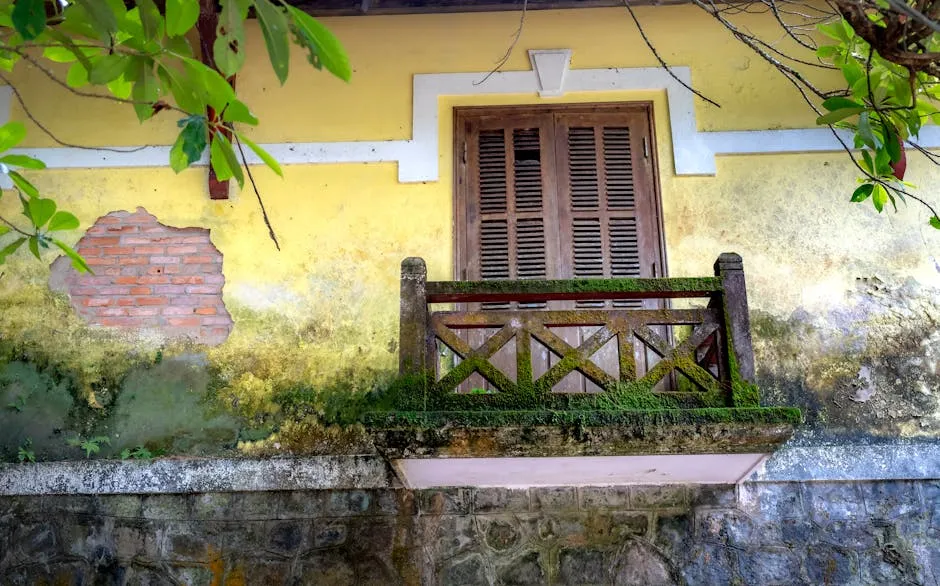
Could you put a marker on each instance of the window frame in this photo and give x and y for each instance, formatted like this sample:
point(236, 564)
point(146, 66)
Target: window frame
point(464, 116)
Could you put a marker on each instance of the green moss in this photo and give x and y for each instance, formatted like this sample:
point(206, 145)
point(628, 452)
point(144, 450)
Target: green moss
point(309, 437)
point(702, 285)
point(33, 407)
point(167, 409)
point(584, 418)
point(39, 327)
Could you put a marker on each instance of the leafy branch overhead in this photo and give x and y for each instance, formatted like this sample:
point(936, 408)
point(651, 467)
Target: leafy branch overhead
point(144, 57)
point(886, 54)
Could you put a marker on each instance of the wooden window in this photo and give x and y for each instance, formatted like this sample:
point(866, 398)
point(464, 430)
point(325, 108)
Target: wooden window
point(556, 193)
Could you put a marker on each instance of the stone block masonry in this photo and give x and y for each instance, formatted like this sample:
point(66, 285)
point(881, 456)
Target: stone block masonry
point(148, 277)
point(817, 533)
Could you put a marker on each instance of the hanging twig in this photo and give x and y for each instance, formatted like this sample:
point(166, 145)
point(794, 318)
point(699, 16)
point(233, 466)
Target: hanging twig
point(264, 213)
point(515, 39)
point(44, 129)
point(792, 74)
point(660, 59)
point(52, 76)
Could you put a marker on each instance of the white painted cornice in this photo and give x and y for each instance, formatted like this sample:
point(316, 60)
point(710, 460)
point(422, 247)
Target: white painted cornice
point(418, 158)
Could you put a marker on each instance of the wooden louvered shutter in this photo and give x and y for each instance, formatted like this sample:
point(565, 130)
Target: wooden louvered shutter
point(510, 213)
point(609, 226)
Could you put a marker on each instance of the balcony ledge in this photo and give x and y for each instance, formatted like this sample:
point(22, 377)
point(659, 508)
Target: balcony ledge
point(552, 448)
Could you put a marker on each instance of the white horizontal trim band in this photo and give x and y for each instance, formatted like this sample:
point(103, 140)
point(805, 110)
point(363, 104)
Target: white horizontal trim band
point(419, 158)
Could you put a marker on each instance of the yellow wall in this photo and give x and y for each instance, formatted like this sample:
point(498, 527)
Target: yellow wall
point(345, 228)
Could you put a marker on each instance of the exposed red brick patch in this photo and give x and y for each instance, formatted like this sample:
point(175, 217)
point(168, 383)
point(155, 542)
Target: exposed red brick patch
point(133, 255)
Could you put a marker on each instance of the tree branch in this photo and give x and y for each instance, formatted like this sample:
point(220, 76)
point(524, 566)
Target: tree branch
point(655, 53)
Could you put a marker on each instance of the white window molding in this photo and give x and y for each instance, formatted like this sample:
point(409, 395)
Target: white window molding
point(418, 158)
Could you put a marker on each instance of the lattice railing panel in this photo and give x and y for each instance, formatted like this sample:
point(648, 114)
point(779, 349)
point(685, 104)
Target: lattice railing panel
point(694, 356)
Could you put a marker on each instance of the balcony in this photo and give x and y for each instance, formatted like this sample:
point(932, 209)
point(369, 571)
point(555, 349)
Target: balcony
point(584, 381)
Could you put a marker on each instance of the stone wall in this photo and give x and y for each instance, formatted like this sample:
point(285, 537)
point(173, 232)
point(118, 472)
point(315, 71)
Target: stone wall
point(760, 533)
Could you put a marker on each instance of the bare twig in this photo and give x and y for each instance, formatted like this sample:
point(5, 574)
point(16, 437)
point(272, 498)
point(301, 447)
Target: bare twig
point(932, 157)
point(655, 53)
point(13, 226)
point(512, 45)
point(48, 73)
point(792, 74)
point(44, 129)
point(264, 213)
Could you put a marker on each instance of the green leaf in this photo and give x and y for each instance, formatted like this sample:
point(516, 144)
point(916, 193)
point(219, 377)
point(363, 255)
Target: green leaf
point(833, 30)
point(77, 261)
point(865, 131)
point(82, 54)
point(827, 51)
point(63, 221)
point(883, 163)
point(229, 47)
point(108, 68)
point(59, 54)
point(862, 193)
point(150, 19)
point(838, 103)
point(190, 143)
point(879, 197)
point(34, 246)
point(120, 88)
point(853, 73)
point(262, 154)
point(77, 76)
point(23, 185)
point(214, 89)
point(100, 16)
point(837, 115)
point(935, 222)
point(8, 60)
point(902, 91)
point(224, 161)
point(184, 89)
point(181, 15)
point(237, 111)
point(29, 18)
point(4, 230)
point(274, 29)
point(147, 88)
point(10, 249)
point(11, 134)
point(22, 161)
point(867, 163)
point(325, 49)
point(892, 144)
point(40, 210)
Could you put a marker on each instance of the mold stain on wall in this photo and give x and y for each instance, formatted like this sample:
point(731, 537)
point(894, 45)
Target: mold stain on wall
point(868, 366)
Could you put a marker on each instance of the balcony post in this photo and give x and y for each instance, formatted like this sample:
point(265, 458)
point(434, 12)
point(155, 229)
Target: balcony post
point(730, 268)
point(413, 325)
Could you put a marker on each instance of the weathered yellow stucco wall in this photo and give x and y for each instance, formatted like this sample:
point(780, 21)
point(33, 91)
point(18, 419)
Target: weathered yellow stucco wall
point(327, 302)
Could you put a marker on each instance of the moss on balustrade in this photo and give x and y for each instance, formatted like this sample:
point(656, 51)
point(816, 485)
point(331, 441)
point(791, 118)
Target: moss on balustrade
point(678, 285)
point(414, 393)
point(584, 417)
